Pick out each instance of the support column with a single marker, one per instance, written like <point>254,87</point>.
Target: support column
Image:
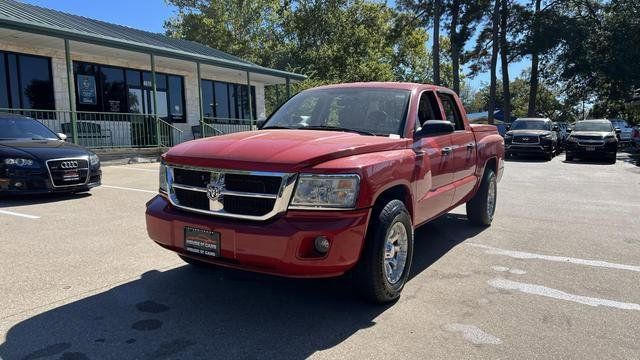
<point>72,95</point>
<point>201,121</point>
<point>250,99</point>
<point>288,88</point>
<point>155,100</point>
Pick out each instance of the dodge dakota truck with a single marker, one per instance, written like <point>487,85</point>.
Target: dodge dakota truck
<point>334,182</point>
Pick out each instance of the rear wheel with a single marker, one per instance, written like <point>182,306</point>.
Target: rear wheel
<point>482,206</point>
<point>385,263</point>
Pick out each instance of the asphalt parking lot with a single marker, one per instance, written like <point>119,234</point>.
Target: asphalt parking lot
<point>556,276</point>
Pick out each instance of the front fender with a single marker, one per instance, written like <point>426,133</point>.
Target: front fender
<point>378,172</point>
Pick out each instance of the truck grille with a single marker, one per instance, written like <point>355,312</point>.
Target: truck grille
<point>230,193</point>
<point>68,172</point>
<point>526,139</point>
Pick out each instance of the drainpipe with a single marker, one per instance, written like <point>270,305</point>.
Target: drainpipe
<point>250,99</point>
<point>155,101</point>
<point>72,96</point>
<point>200,100</point>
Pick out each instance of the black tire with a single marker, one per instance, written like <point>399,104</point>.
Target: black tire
<point>549,155</point>
<point>196,263</point>
<point>369,275</point>
<point>479,209</point>
<point>568,157</point>
<point>612,159</point>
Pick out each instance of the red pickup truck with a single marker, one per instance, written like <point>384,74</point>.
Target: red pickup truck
<point>335,181</point>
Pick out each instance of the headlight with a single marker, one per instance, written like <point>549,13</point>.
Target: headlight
<point>163,178</point>
<point>546,136</point>
<point>20,162</point>
<point>326,191</point>
<point>610,139</point>
<point>94,159</point>
<point>572,139</point>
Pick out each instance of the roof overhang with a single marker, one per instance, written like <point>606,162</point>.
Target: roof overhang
<point>37,28</point>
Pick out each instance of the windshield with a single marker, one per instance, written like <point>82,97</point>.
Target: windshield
<point>530,125</point>
<point>593,126</point>
<point>20,128</point>
<point>366,110</point>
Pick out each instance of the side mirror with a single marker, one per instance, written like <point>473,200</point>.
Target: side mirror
<point>507,127</point>
<point>569,129</point>
<point>618,131</point>
<point>435,127</point>
<point>62,136</point>
<point>555,128</point>
<point>260,123</point>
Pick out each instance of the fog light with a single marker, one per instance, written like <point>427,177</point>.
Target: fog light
<point>322,244</point>
<point>17,184</point>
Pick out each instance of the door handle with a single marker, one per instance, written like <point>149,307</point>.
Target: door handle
<point>470,146</point>
<point>446,150</point>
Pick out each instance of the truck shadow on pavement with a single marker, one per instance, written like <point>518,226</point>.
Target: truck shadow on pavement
<point>214,313</point>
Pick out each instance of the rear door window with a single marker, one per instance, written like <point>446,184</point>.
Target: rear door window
<point>451,111</point>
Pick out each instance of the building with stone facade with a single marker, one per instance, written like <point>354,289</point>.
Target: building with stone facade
<point>106,85</point>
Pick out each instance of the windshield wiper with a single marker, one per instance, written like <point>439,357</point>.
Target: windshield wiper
<point>337,128</point>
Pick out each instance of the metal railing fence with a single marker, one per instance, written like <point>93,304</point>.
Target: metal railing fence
<point>107,130</point>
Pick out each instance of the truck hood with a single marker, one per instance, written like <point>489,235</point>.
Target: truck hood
<point>42,149</point>
<point>529,132</point>
<point>277,150</point>
<point>591,133</point>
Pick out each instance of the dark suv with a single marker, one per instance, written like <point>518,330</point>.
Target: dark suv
<point>532,136</point>
<point>592,138</point>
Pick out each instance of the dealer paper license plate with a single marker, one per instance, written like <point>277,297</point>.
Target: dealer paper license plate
<point>202,242</point>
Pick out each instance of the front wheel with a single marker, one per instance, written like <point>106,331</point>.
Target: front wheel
<point>482,206</point>
<point>385,263</point>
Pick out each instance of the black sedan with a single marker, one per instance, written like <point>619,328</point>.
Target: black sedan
<point>592,138</point>
<point>33,159</point>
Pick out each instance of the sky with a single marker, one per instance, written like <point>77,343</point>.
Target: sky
<point>150,15</point>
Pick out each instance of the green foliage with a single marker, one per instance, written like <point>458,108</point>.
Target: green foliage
<point>548,100</point>
<point>330,41</point>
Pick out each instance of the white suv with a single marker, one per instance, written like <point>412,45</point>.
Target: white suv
<point>626,131</point>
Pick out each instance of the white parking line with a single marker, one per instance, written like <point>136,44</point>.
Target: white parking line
<point>19,214</point>
<point>540,290</point>
<point>527,255</point>
<point>129,189</point>
<point>132,168</point>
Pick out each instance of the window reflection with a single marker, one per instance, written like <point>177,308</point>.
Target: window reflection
<point>227,100</point>
<point>25,82</point>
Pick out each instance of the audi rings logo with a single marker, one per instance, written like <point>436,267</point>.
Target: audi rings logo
<point>68,164</point>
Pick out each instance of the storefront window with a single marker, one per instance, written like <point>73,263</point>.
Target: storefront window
<point>4,94</point>
<point>25,82</point>
<point>129,90</point>
<point>113,90</point>
<point>226,100</point>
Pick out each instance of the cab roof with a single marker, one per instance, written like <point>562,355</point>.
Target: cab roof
<point>383,85</point>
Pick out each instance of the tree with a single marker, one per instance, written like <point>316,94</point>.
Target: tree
<point>533,89</point>
<point>494,58</point>
<point>426,11</point>
<point>330,41</point>
<point>464,15</point>
<point>504,58</point>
